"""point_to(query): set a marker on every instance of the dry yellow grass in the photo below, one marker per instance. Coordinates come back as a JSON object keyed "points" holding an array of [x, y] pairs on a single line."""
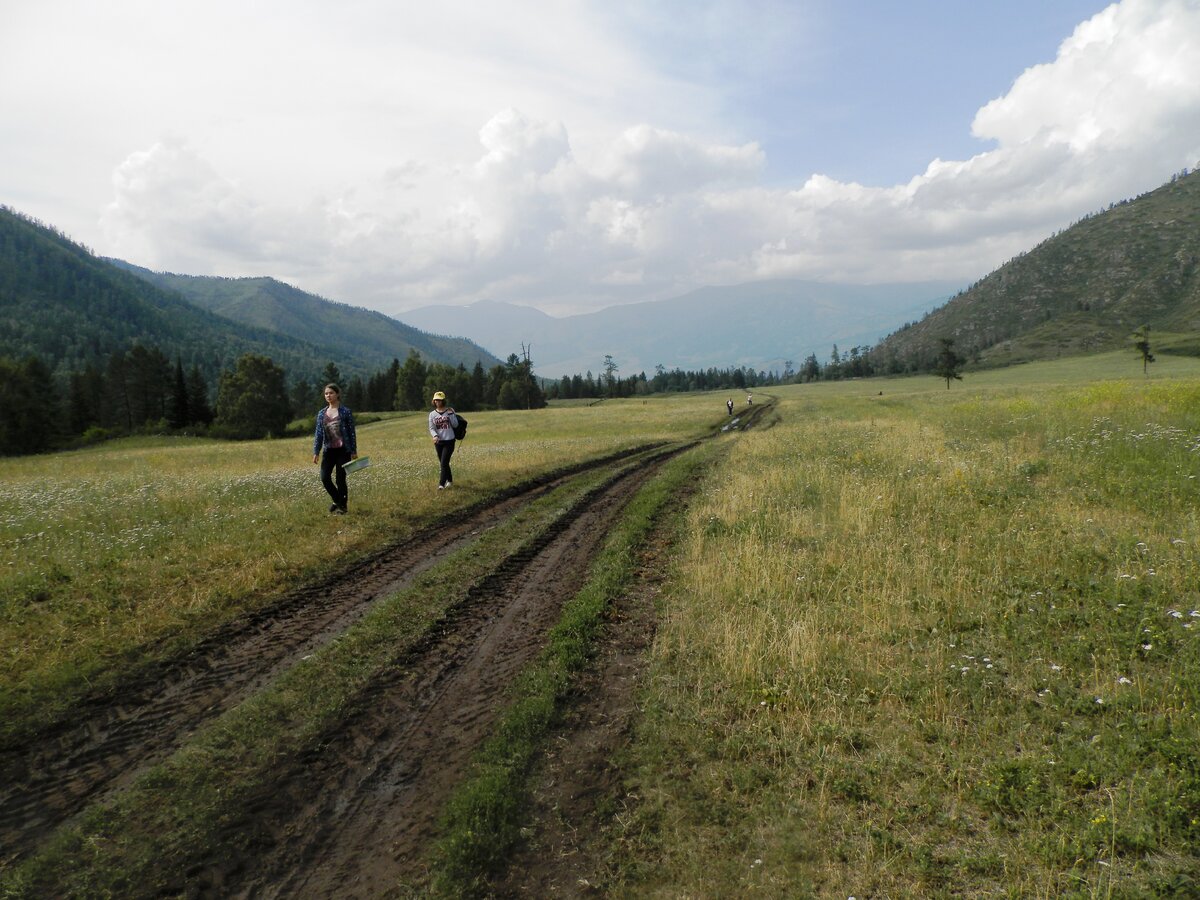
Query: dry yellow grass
{"points": [[931, 644]]}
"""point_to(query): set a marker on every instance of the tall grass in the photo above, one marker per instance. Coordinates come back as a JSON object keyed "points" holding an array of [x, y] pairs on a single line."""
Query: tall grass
{"points": [[114, 554], [934, 643]]}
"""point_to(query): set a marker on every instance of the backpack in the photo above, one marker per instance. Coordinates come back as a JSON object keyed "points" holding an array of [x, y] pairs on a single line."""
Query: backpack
{"points": [[460, 430]]}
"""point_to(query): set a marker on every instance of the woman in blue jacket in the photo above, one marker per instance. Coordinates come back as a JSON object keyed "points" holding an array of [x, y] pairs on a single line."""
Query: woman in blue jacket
{"points": [[335, 432]]}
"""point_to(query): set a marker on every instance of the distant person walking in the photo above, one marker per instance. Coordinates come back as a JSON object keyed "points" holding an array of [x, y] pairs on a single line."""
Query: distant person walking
{"points": [[442, 422], [749, 399], [335, 432], [729, 405]]}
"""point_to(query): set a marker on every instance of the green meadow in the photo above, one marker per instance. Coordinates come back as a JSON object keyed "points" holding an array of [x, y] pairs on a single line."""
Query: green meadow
{"points": [[914, 642], [929, 642], [117, 555]]}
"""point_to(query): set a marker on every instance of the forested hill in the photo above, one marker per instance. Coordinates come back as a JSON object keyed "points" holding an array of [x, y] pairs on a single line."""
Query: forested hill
{"points": [[68, 308], [1084, 290], [348, 332]]}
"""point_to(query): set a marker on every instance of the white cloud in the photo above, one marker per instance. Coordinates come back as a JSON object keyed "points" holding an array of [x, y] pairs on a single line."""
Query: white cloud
{"points": [[172, 209], [572, 173], [647, 163], [1127, 67]]}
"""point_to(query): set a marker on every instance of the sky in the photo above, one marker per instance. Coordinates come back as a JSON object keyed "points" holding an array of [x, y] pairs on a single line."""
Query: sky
{"points": [[574, 154]]}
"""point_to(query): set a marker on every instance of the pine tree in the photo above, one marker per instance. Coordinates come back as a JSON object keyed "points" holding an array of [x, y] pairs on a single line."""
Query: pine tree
{"points": [[356, 393], [29, 427], [85, 399], [304, 398], [199, 409], [179, 415], [948, 364], [1141, 343], [410, 390]]}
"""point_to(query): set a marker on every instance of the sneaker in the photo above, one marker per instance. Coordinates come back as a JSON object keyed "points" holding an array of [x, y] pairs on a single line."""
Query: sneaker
{"points": [[339, 511], [333, 507], [448, 484], [441, 487]]}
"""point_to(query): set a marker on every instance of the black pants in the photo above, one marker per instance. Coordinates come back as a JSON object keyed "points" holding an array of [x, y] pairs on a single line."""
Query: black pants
{"points": [[445, 449], [331, 465]]}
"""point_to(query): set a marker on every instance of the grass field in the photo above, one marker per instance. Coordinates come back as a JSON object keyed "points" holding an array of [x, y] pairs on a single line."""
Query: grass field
{"points": [[935, 643], [116, 554], [916, 641]]}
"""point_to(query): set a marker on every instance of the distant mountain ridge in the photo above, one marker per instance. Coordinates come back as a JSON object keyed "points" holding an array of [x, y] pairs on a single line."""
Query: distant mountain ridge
{"points": [[1083, 290], [758, 325], [71, 309], [349, 332]]}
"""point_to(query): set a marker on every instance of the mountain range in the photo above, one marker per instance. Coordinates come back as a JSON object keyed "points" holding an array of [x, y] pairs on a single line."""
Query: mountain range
{"points": [[71, 309], [347, 332], [1083, 290], [760, 325]]}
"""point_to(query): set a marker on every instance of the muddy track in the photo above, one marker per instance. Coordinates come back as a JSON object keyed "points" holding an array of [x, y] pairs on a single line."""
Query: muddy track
{"points": [[358, 819], [575, 785], [50, 778], [356, 815]]}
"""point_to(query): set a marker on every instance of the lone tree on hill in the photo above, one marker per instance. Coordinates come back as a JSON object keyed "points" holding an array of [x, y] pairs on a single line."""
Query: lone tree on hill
{"points": [[1141, 343], [948, 364]]}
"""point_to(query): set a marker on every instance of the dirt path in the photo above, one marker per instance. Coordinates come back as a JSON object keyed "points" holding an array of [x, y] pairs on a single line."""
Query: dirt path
{"points": [[356, 817], [366, 815], [577, 788], [576, 779], [113, 740]]}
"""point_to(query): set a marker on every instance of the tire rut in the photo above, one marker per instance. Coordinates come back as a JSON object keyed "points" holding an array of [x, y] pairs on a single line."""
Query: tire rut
{"points": [[52, 777], [358, 819]]}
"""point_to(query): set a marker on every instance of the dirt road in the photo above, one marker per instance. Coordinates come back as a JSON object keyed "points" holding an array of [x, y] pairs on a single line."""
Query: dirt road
{"points": [[357, 818]]}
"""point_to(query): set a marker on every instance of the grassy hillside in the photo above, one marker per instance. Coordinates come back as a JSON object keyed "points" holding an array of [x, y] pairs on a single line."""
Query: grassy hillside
{"points": [[62, 304], [1083, 290], [348, 331]]}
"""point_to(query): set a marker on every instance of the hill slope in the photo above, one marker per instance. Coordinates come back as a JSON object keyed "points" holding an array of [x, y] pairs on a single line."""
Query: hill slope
{"points": [[70, 308], [1083, 290], [65, 306], [347, 331]]}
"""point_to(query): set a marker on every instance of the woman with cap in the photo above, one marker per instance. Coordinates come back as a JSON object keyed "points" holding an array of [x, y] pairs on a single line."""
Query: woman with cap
{"points": [[442, 422]]}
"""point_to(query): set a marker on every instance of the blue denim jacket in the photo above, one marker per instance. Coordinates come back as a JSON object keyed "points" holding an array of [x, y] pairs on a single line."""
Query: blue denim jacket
{"points": [[345, 422]]}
